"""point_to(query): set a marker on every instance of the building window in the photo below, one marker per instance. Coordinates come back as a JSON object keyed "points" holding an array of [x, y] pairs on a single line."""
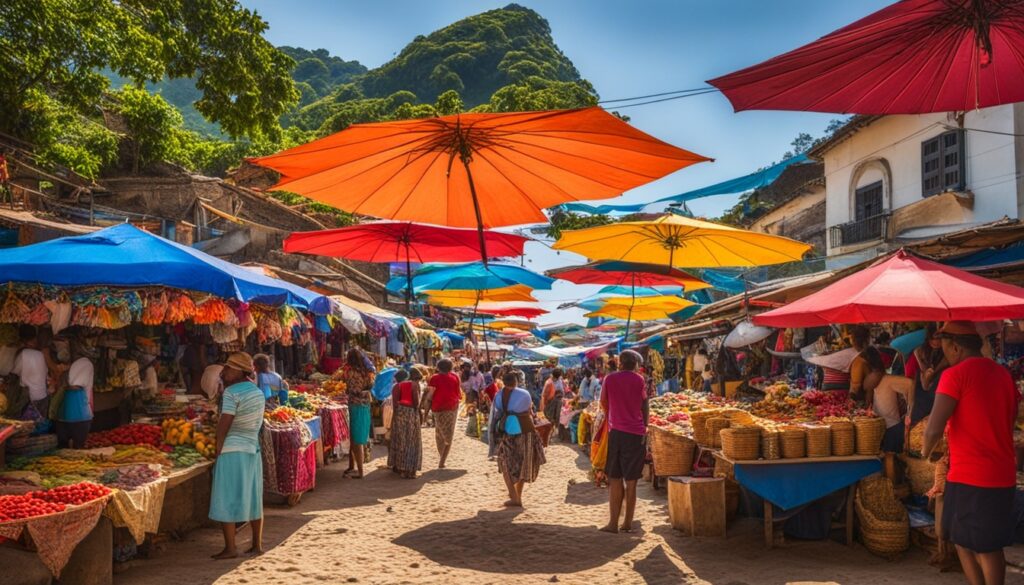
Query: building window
{"points": [[943, 163], [868, 201]]}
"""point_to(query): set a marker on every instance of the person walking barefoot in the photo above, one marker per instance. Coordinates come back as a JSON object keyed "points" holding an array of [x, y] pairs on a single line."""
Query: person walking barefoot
{"points": [[445, 395], [520, 453], [624, 399]]}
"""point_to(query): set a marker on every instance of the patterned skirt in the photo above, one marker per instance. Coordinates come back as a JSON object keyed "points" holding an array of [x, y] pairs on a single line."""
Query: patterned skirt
{"points": [[521, 456], [405, 453], [444, 427]]}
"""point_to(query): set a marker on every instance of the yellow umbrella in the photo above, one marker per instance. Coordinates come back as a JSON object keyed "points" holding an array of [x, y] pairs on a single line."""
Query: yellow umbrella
{"points": [[675, 240], [468, 298], [668, 302], [625, 312]]}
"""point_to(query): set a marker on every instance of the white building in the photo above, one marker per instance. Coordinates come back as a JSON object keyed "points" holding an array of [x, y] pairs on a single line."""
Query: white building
{"points": [[896, 179]]}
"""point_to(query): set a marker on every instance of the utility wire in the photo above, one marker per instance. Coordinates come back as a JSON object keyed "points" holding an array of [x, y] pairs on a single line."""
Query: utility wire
{"points": [[656, 95]]}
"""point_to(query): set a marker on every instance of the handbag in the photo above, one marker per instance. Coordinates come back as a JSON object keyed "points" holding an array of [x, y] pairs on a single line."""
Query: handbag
{"points": [[525, 418]]}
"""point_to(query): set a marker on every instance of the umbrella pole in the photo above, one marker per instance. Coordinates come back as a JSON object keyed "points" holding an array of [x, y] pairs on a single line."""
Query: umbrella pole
{"points": [[476, 209], [408, 281], [632, 301]]}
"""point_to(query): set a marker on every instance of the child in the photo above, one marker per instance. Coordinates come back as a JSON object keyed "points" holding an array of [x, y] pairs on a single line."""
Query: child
{"points": [[708, 377]]}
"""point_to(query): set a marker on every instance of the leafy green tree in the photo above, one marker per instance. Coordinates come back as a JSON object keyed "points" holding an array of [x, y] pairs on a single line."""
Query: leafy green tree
{"points": [[536, 93], [60, 47], [567, 220], [449, 103]]}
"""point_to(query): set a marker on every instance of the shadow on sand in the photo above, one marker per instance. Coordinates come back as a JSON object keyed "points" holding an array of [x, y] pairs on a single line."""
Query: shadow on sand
{"points": [[453, 544]]}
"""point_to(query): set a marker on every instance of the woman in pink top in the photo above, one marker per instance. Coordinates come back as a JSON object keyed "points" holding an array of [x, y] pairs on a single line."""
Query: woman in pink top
{"points": [[624, 399]]}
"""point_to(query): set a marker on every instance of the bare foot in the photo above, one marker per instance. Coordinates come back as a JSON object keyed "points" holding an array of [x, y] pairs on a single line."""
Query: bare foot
{"points": [[255, 551], [513, 504], [225, 554], [625, 528], [610, 528]]}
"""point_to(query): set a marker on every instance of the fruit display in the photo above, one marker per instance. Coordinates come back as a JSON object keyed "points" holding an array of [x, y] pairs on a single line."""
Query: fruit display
{"points": [[285, 414], [299, 401], [126, 454], [181, 432], [130, 477], [132, 434], [20, 507], [786, 404], [186, 456], [334, 388], [75, 494], [54, 465]]}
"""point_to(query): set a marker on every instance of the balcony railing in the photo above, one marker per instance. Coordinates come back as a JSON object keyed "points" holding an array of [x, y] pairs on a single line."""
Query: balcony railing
{"points": [[871, 228]]}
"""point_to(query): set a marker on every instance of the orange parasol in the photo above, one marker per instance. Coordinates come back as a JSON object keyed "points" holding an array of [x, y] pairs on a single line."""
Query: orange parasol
{"points": [[476, 170]]}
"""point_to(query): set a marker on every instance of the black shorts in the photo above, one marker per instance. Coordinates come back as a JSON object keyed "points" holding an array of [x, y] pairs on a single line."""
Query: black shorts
{"points": [[626, 454], [977, 518]]}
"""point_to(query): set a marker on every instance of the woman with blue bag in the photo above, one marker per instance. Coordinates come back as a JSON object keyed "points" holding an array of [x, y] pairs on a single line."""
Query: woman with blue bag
{"points": [[269, 381], [71, 408], [520, 453]]}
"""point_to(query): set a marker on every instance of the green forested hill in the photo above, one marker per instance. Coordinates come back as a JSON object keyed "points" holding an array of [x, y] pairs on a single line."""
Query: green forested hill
{"points": [[501, 60]]}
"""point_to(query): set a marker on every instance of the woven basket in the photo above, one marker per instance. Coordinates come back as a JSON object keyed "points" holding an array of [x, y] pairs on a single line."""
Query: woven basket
{"points": [[714, 426], [741, 443], [844, 441], [30, 445], [793, 442], [869, 431], [699, 422], [884, 525], [920, 474], [819, 441], [770, 446], [916, 444], [672, 453], [741, 418]]}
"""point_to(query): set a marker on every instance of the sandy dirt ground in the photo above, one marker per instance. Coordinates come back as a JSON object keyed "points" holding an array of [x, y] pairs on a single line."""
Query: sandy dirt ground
{"points": [[449, 527]]}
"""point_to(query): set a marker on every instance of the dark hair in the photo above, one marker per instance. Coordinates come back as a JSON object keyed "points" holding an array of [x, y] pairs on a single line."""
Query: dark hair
{"points": [[261, 362], [510, 379], [496, 371], [401, 376], [874, 358], [354, 359], [444, 365], [586, 373], [415, 375], [612, 366], [860, 335], [702, 351], [26, 333], [630, 359], [972, 343], [557, 373], [883, 338], [466, 373]]}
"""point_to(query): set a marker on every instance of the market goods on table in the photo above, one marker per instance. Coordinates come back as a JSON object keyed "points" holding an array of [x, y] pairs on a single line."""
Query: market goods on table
{"points": [[74, 494], [130, 477], [181, 432], [131, 434], [186, 456], [25, 506], [283, 415]]}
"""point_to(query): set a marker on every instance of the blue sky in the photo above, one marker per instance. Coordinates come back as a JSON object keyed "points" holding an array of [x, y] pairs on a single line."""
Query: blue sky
{"points": [[625, 49]]}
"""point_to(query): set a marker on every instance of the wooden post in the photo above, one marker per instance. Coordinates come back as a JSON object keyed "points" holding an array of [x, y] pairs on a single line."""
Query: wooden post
{"points": [[850, 491], [769, 536]]}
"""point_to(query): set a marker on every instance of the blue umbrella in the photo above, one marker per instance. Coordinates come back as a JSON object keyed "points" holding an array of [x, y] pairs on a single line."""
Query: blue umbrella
{"points": [[124, 255], [473, 276], [641, 291]]}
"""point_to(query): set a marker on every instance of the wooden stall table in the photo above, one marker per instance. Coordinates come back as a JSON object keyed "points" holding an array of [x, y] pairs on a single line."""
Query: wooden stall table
{"points": [[789, 483]]}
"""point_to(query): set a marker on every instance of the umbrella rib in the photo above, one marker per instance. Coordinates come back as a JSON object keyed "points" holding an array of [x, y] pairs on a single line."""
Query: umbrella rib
{"points": [[623, 168]]}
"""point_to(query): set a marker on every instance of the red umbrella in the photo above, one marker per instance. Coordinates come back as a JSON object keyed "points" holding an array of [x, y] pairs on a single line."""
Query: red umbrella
{"points": [[400, 241], [902, 288], [628, 273], [525, 312], [913, 57]]}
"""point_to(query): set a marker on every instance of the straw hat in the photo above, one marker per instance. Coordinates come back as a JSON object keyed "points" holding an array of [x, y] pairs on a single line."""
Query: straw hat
{"points": [[240, 361], [958, 329]]}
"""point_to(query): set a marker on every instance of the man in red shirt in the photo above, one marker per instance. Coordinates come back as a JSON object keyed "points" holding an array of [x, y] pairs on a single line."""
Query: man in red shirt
{"points": [[445, 398], [624, 399], [976, 405]]}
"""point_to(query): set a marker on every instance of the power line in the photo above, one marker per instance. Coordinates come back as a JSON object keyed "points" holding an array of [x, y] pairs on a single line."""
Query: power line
{"points": [[665, 99], [655, 95]]}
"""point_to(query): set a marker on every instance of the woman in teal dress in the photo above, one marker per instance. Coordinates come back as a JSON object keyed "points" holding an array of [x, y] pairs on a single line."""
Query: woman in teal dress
{"points": [[358, 382], [237, 494]]}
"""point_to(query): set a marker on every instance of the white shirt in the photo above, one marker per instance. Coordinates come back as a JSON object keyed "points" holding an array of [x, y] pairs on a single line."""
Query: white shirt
{"points": [[30, 367], [211, 383], [699, 361], [886, 402], [82, 374], [150, 382]]}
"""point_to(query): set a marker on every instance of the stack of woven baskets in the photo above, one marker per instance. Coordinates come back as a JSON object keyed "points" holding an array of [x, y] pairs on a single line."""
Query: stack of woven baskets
{"points": [[672, 453], [884, 524], [741, 443], [869, 432]]}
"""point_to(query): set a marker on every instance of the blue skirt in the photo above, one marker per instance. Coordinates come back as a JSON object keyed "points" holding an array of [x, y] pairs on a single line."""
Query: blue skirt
{"points": [[237, 493], [359, 423]]}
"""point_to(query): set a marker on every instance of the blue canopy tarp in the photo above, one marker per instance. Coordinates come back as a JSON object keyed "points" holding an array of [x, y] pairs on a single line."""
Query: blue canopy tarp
{"points": [[124, 255], [472, 276]]}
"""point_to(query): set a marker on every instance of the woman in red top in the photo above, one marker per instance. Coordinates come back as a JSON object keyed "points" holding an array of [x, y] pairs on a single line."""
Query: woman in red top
{"points": [[976, 405], [405, 453], [445, 392]]}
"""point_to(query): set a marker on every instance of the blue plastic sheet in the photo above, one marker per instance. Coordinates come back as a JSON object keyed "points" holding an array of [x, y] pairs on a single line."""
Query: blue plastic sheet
{"points": [[124, 255], [788, 485], [383, 383], [314, 427]]}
